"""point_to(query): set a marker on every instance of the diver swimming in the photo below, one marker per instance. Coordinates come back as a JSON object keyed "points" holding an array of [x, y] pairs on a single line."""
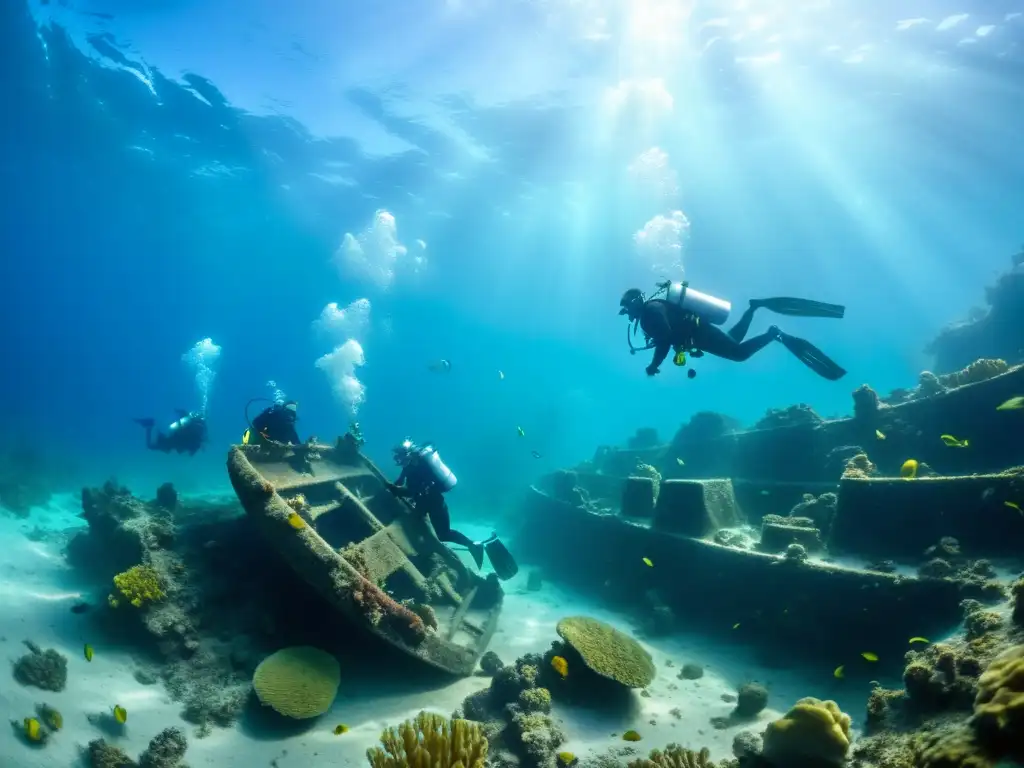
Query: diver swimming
{"points": [[676, 317], [275, 424], [185, 435], [423, 481]]}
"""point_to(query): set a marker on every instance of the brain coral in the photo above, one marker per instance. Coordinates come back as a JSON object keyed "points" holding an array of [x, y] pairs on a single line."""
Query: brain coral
{"points": [[812, 731], [607, 651], [999, 707], [297, 682]]}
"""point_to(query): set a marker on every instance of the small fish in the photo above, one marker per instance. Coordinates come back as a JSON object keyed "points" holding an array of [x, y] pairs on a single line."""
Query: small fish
{"points": [[340, 729], [566, 759], [680, 462], [81, 607], [560, 665], [501, 375], [869, 656], [521, 432], [120, 714], [1013, 404], [909, 469], [295, 521], [87, 652], [33, 731], [736, 625], [839, 672], [245, 436], [953, 442], [648, 563], [1014, 505], [536, 454], [918, 640], [441, 366], [879, 434], [631, 736]]}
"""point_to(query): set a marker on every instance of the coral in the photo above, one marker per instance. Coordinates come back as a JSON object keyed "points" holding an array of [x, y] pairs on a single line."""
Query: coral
{"points": [[490, 664], [646, 470], [139, 585], [426, 614], [821, 509], [929, 385], [940, 677], [980, 623], [813, 730], [730, 538], [1017, 592], [607, 651], [747, 744], [430, 741], [751, 699], [535, 700], [999, 706], [44, 669], [979, 370], [674, 756], [104, 755], [859, 466], [795, 415], [796, 554], [778, 532], [936, 568], [537, 737], [691, 672], [378, 606], [880, 704], [298, 682], [865, 402], [951, 747], [165, 750]]}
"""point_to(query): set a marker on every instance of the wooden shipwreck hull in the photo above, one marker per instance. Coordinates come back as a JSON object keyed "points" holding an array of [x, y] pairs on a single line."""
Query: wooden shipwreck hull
{"points": [[327, 510]]}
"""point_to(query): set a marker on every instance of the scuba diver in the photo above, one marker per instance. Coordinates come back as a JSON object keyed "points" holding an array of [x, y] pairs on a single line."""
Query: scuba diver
{"points": [[186, 435], [423, 480], [274, 424], [687, 321]]}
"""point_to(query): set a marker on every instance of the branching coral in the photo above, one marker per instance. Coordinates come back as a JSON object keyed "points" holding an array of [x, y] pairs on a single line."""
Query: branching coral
{"points": [[430, 741], [674, 756], [44, 669], [139, 585]]}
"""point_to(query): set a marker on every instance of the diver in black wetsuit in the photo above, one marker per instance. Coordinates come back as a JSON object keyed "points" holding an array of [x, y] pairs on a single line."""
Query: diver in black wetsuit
{"points": [[687, 321], [424, 480], [186, 435], [276, 424]]}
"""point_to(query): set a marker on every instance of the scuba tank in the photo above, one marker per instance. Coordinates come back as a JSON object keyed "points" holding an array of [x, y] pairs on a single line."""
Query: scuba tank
{"points": [[708, 308], [182, 422], [444, 476]]}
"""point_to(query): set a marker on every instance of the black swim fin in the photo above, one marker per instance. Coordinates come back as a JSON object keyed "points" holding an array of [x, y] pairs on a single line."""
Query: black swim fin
{"points": [[147, 423], [785, 305], [502, 562], [812, 357]]}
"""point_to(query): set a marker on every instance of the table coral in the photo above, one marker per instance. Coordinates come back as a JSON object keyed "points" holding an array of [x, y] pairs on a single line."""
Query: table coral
{"points": [[607, 651]]}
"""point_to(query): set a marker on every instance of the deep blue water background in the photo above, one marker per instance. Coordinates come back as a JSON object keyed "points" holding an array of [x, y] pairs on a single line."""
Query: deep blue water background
{"points": [[892, 189]]}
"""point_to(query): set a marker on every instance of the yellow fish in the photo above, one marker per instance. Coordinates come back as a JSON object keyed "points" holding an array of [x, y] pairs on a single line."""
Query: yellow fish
{"points": [[120, 714], [245, 436], [736, 625], [521, 432], [631, 736], [918, 640], [909, 469], [648, 563], [566, 759], [88, 652], [340, 729], [879, 434], [33, 731], [839, 672], [680, 358], [869, 656], [953, 442], [560, 665], [1013, 404], [680, 462], [1014, 505], [295, 521]]}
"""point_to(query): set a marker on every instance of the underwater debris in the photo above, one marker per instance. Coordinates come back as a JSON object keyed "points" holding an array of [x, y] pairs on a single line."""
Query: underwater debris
{"points": [[433, 740], [812, 732], [796, 554], [607, 651], [778, 532], [865, 402], [819, 509], [639, 496], [43, 669], [298, 682]]}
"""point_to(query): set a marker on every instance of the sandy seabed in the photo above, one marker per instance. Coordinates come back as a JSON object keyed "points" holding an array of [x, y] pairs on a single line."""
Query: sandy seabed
{"points": [[37, 589]]}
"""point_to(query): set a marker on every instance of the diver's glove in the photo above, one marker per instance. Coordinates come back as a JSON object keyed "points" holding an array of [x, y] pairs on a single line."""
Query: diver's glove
{"points": [[652, 370]]}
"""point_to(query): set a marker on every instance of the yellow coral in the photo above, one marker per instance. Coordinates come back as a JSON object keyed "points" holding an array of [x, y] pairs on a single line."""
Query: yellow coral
{"points": [[812, 730], [139, 585], [607, 651], [430, 741], [674, 756], [999, 706]]}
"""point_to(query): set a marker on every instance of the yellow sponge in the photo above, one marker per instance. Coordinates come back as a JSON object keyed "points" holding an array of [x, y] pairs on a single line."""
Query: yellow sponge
{"points": [[812, 730], [298, 682]]}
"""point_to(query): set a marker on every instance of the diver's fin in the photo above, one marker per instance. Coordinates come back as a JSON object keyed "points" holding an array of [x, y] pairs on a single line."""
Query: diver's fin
{"points": [[476, 551], [785, 305], [182, 413], [812, 357], [502, 562], [147, 423]]}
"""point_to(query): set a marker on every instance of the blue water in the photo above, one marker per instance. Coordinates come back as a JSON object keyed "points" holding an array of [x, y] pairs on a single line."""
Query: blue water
{"points": [[178, 171]]}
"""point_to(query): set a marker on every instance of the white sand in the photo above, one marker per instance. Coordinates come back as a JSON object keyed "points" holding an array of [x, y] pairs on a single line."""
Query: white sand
{"points": [[37, 589]]}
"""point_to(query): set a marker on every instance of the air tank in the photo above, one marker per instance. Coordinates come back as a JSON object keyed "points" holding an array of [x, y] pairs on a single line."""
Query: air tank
{"points": [[708, 308], [444, 476]]}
